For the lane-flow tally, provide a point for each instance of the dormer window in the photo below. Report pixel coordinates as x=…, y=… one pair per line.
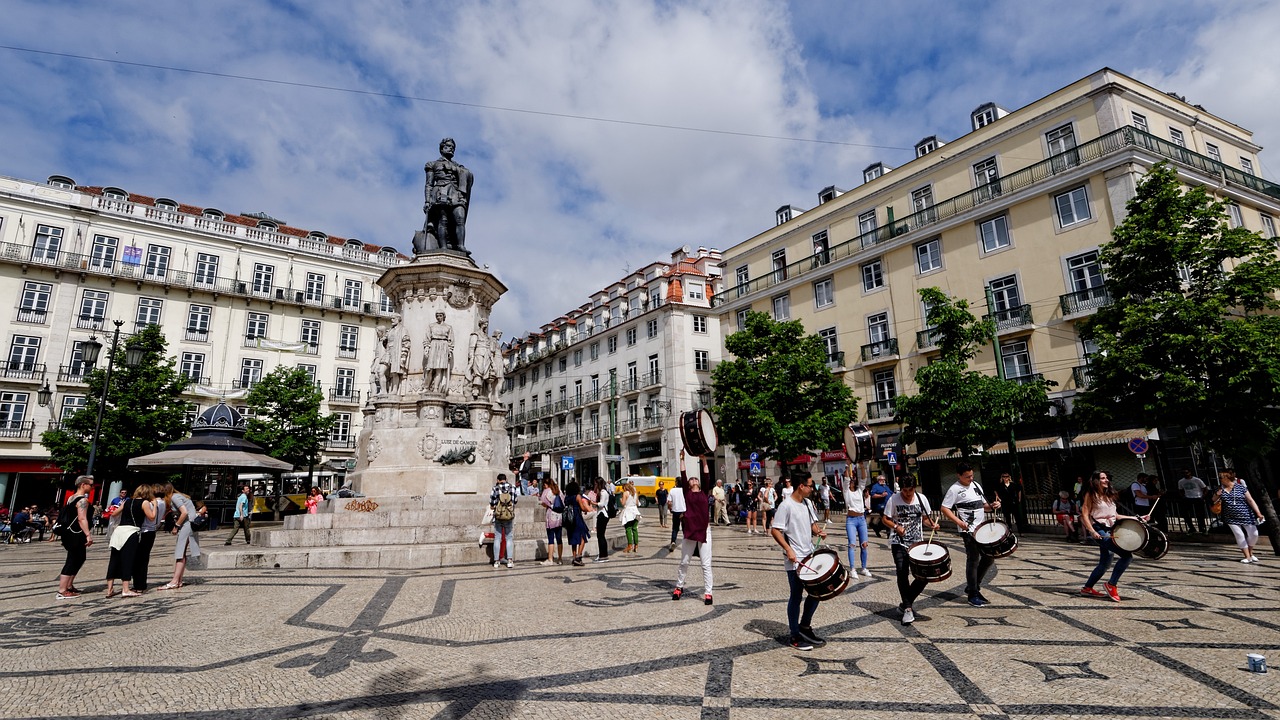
x=213, y=214
x=267, y=225
x=784, y=214
x=387, y=251
x=62, y=181
x=354, y=244
x=167, y=204
x=873, y=171
x=926, y=146
x=112, y=193
x=828, y=194
x=986, y=114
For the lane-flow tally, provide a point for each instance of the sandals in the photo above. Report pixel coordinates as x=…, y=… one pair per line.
x=130, y=594
x=170, y=586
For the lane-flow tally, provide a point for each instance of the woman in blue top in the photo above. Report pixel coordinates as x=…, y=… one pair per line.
x=1240, y=513
x=879, y=493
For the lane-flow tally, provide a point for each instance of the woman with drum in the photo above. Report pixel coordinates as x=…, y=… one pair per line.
x=1098, y=515
x=1240, y=513
x=857, y=501
x=906, y=514
x=794, y=525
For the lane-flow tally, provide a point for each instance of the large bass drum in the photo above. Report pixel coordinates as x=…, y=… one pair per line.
x=859, y=443
x=995, y=538
x=698, y=432
x=929, y=561
x=822, y=574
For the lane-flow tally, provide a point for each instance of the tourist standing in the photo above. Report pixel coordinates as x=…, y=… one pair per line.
x=630, y=517
x=579, y=531
x=1240, y=513
x=660, y=498
x=1193, y=490
x=721, y=503
x=188, y=540
x=856, y=502
x=676, y=503
x=879, y=494
x=126, y=538
x=1010, y=493
x=147, y=539
x=753, y=505
x=314, y=498
x=553, y=503
x=502, y=500
x=76, y=537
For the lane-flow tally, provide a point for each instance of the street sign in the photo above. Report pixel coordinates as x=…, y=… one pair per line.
x=755, y=456
x=566, y=462
x=756, y=470
x=613, y=458
x=891, y=457
x=1138, y=446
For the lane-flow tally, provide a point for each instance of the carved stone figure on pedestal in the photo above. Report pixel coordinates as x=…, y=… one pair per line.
x=378, y=377
x=482, y=358
x=448, y=195
x=397, y=349
x=437, y=359
x=496, y=365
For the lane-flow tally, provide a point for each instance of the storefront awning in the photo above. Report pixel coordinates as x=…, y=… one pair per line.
x=1113, y=437
x=938, y=454
x=1030, y=445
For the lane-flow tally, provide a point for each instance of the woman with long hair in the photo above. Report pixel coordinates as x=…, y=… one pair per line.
x=753, y=503
x=1240, y=513
x=1098, y=515
x=147, y=539
x=126, y=538
x=630, y=517
x=602, y=492
x=314, y=498
x=188, y=543
x=554, y=504
x=578, y=531
x=76, y=538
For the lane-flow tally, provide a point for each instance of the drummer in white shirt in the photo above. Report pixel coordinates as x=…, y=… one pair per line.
x=794, y=525
x=966, y=505
x=906, y=514
x=856, y=501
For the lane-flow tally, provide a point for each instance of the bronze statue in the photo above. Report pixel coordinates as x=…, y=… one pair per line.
x=448, y=195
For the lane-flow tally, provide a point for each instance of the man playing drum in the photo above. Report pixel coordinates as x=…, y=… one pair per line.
x=795, y=522
x=967, y=506
x=906, y=515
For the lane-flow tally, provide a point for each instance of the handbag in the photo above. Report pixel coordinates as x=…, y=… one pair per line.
x=488, y=517
x=1215, y=507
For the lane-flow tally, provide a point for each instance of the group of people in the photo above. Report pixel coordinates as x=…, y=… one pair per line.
x=25, y=523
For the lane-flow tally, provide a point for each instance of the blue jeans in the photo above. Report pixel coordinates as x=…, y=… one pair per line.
x=795, y=620
x=1105, y=548
x=856, y=526
x=502, y=539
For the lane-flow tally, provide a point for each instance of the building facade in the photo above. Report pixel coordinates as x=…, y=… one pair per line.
x=236, y=296
x=605, y=383
x=1009, y=217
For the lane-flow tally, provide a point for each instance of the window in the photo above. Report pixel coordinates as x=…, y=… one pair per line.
x=1213, y=151
x=779, y=265
x=103, y=255
x=384, y=302
x=655, y=297
x=633, y=375
x=536, y=374
x=595, y=422
x=1073, y=207
x=1246, y=165
x=310, y=370
x=867, y=222
x=821, y=249
x=1268, y=225
x=23, y=353
x=872, y=172
x=995, y=234
x=700, y=324
x=548, y=370
x=148, y=312
x=1060, y=140
x=984, y=117
x=926, y=146
x=206, y=269
x=34, y=307
x=783, y=214
x=878, y=328
x=929, y=255
x=987, y=178
x=653, y=367
x=595, y=350
x=824, y=293
x=157, y=261
x=93, y=309
x=701, y=361
x=872, y=275
x=1085, y=272
x=341, y=430
x=1005, y=295
x=564, y=395
x=595, y=386
x=651, y=328
x=1016, y=359
x=256, y=327
x=577, y=392
x=696, y=291
x=1176, y=136
x=577, y=357
x=78, y=367
x=192, y=366
x=828, y=337
x=564, y=365
x=13, y=410
x=71, y=404
x=1139, y=121
x=1237, y=218
x=631, y=336
x=885, y=386
x=782, y=307
x=47, y=242
x=742, y=318
x=522, y=381
x=348, y=341
x=351, y=292
x=250, y=372
x=310, y=335
x=344, y=382
x=612, y=342
x=922, y=199
x=199, y=318
x=742, y=276
x=315, y=288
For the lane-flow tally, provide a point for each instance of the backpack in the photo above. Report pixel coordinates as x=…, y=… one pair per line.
x=67, y=519
x=505, y=510
x=613, y=504
x=567, y=516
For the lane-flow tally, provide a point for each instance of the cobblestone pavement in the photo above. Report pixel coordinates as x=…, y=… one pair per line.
x=606, y=641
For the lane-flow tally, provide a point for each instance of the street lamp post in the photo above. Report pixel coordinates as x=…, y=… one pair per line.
x=91, y=350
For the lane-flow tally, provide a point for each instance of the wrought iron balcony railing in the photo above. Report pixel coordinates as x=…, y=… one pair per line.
x=1084, y=301
x=872, y=352
x=1011, y=318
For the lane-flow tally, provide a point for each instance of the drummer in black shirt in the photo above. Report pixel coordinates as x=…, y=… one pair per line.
x=906, y=514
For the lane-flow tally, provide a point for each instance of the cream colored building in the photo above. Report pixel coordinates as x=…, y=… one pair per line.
x=236, y=295
x=1015, y=209
x=644, y=344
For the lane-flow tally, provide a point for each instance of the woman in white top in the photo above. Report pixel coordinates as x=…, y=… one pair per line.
x=630, y=517
x=856, y=502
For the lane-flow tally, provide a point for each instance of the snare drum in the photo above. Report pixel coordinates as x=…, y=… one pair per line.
x=1129, y=534
x=859, y=443
x=1157, y=543
x=995, y=538
x=822, y=575
x=929, y=561
x=698, y=432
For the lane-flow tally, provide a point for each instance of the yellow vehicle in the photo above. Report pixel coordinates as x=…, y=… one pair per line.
x=647, y=487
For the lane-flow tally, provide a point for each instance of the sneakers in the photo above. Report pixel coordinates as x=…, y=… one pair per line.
x=807, y=634
x=671, y=547
x=578, y=562
x=548, y=561
x=1112, y=592
x=1246, y=561
x=511, y=564
x=983, y=598
x=1253, y=558
x=706, y=599
x=69, y=595
x=866, y=572
x=1091, y=592
x=497, y=564
x=601, y=559
x=908, y=616
x=677, y=593
x=976, y=601
x=798, y=643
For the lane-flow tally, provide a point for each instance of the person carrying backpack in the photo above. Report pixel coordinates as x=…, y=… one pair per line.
x=73, y=529
x=503, y=503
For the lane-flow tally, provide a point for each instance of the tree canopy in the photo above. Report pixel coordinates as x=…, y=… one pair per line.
x=776, y=395
x=957, y=406
x=286, y=419
x=144, y=410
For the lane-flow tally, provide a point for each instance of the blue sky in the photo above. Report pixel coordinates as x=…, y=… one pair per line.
x=563, y=205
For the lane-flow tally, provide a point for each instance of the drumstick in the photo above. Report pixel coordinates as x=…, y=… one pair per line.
x=1152, y=509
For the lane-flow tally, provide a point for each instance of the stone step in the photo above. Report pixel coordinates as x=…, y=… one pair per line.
x=462, y=517
x=409, y=534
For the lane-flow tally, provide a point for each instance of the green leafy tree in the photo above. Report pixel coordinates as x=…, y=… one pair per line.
x=287, y=421
x=144, y=411
x=956, y=405
x=777, y=395
x=1191, y=338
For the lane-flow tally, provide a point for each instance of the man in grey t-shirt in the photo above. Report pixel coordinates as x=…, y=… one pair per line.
x=794, y=524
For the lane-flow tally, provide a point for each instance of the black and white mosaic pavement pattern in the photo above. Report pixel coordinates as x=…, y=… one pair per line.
x=606, y=640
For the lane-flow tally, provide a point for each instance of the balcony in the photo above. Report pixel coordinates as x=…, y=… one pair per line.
x=928, y=338
x=1026, y=379
x=90, y=322
x=344, y=396
x=196, y=335
x=32, y=315
x=880, y=351
x=1082, y=376
x=1085, y=301
x=835, y=360
x=562, y=406
x=197, y=380
x=243, y=383
x=74, y=373
x=17, y=430
x=653, y=378
x=21, y=370
x=340, y=443
x=880, y=410
x=251, y=340
x=1010, y=319
x=348, y=351
x=629, y=385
